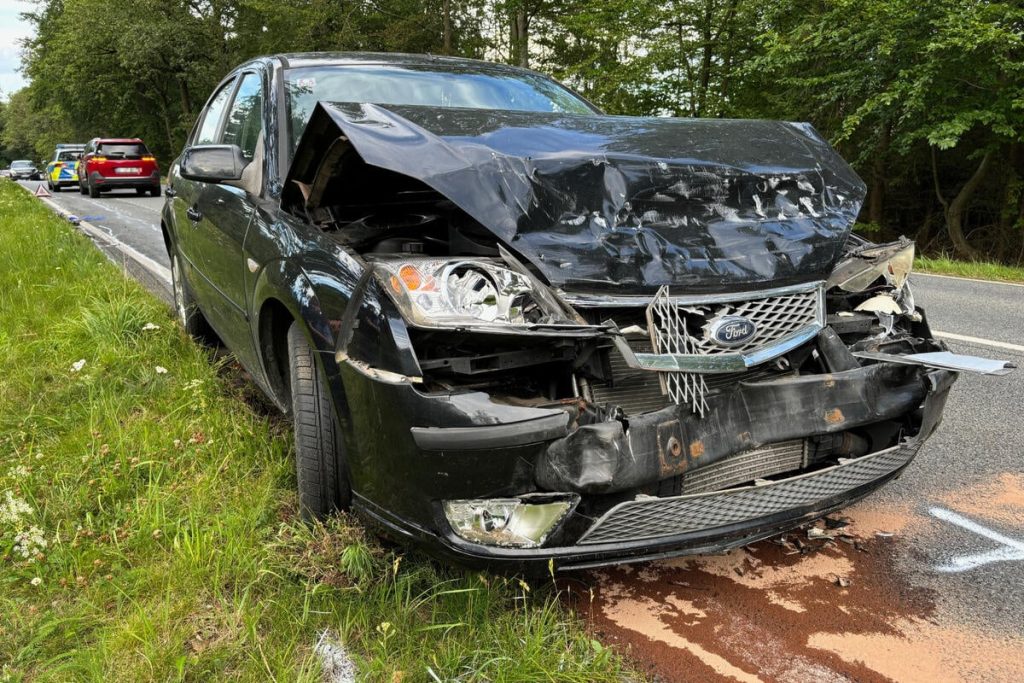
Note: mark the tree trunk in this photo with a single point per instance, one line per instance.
(876, 195)
(447, 40)
(520, 35)
(959, 204)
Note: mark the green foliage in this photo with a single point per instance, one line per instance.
(148, 525)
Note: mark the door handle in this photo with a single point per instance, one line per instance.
(194, 214)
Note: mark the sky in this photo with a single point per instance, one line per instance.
(12, 30)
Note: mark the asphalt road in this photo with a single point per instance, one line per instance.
(927, 585)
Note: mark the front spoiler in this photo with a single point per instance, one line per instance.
(451, 548)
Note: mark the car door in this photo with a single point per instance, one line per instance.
(226, 211)
(185, 195)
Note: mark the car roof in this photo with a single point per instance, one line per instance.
(119, 140)
(301, 59)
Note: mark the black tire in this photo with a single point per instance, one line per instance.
(56, 188)
(94, 191)
(141, 191)
(320, 463)
(155, 191)
(82, 188)
(189, 315)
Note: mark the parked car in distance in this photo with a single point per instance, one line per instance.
(516, 331)
(63, 169)
(24, 169)
(116, 163)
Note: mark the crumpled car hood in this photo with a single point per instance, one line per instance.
(619, 204)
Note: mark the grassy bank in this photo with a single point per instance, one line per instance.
(974, 269)
(147, 513)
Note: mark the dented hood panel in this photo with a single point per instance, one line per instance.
(619, 203)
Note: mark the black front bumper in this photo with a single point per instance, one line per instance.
(486, 450)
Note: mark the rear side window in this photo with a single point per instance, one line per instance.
(211, 119)
(245, 120)
(68, 156)
(122, 150)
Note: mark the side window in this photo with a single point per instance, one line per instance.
(207, 134)
(245, 119)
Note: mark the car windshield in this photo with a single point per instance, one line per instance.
(478, 88)
(21, 164)
(122, 150)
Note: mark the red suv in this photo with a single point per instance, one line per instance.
(111, 163)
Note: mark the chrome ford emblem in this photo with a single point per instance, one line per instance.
(731, 330)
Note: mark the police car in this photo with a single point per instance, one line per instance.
(63, 170)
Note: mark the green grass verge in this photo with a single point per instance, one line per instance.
(147, 513)
(975, 269)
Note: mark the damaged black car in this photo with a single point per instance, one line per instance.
(515, 331)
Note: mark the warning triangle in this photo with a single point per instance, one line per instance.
(41, 191)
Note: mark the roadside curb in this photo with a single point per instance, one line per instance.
(155, 269)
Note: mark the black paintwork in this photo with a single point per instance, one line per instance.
(613, 202)
(255, 267)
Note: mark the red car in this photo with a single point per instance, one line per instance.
(112, 163)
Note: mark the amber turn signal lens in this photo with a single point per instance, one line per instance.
(411, 277)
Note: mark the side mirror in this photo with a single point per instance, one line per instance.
(213, 163)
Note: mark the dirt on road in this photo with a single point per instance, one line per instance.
(802, 608)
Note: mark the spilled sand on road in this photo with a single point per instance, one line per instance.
(999, 500)
(835, 611)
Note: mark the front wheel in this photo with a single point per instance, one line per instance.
(55, 187)
(94, 191)
(320, 463)
(155, 191)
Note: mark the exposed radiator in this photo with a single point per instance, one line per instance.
(741, 468)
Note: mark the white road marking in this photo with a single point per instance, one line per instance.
(978, 340)
(969, 279)
(1012, 550)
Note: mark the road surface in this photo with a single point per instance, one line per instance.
(928, 585)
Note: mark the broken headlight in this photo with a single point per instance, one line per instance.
(434, 292)
(511, 522)
(860, 270)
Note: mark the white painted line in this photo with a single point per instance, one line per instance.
(158, 270)
(978, 340)
(969, 279)
(1012, 550)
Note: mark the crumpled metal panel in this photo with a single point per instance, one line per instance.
(619, 203)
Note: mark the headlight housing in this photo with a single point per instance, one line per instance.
(509, 522)
(893, 261)
(444, 292)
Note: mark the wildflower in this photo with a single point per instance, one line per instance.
(149, 327)
(36, 581)
(12, 509)
(78, 365)
(160, 370)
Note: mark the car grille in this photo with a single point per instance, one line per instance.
(681, 327)
(659, 517)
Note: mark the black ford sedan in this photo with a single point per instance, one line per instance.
(513, 330)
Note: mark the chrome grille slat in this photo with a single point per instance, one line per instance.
(681, 329)
(659, 517)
